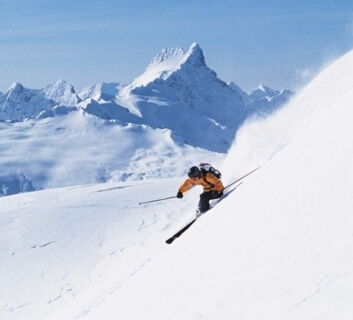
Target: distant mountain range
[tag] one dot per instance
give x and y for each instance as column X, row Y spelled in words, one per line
column 177, row 91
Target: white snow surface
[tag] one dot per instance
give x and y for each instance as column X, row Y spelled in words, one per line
column 279, row 247
column 161, row 66
column 83, row 149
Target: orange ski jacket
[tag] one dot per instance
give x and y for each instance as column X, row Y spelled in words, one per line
column 209, row 183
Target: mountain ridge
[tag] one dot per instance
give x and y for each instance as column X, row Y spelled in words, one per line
column 175, row 81
column 177, row 99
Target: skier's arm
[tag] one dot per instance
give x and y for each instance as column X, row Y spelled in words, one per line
column 187, row 185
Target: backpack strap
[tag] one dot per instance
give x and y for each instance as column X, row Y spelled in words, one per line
column 211, row 185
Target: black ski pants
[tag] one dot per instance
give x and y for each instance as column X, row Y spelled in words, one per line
column 205, row 198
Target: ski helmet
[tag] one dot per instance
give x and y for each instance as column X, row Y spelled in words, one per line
column 194, row 172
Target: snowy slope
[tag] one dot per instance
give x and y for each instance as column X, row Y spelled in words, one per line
column 161, row 66
column 279, row 247
column 83, row 149
column 55, row 244
column 101, row 91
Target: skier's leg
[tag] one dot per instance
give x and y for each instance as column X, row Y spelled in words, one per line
column 204, row 203
column 205, row 198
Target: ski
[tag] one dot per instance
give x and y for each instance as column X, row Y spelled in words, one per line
column 181, row 231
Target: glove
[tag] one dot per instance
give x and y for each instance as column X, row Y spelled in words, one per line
column 179, row 195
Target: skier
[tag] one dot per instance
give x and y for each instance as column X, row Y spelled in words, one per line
column 212, row 187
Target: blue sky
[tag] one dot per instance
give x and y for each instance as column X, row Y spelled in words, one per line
column 249, row 42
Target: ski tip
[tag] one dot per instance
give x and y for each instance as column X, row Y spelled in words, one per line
column 170, row 240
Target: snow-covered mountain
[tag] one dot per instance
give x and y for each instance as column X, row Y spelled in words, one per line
column 279, row 247
column 263, row 92
column 20, row 103
column 62, row 94
column 178, row 97
column 263, row 100
column 177, row 91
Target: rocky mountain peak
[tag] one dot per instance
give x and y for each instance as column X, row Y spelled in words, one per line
column 62, row 93
column 194, row 56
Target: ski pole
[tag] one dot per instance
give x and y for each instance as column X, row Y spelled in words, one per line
column 241, row 178
column 157, row 200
